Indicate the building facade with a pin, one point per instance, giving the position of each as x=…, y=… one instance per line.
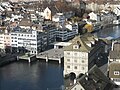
x=29, y=39
x=114, y=72
x=114, y=62
x=59, y=18
x=76, y=57
x=81, y=55
x=5, y=40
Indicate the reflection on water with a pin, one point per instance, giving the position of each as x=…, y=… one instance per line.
x=36, y=76
x=112, y=32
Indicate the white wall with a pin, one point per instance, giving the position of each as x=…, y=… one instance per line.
x=75, y=59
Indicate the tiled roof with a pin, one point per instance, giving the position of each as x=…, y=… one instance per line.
x=83, y=47
x=114, y=66
x=25, y=22
x=114, y=54
x=116, y=47
x=96, y=80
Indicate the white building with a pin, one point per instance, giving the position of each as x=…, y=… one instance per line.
x=5, y=38
x=33, y=17
x=81, y=55
x=47, y=14
x=93, y=16
x=114, y=62
x=72, y=27
x=76, y=57
x=26, y=38
x=59, y=18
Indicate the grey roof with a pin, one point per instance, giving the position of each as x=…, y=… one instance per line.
x=25, y=22
x=96, y=80
x=83, y=47
x=116, y=46
x=114, y=54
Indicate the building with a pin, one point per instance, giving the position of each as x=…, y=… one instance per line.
x=25, y=23
x=78, y=57
x=82, y=54
x=114, y=54
x=114, y=72
x=59, y=18
x=34, y=38
x=5, y=39
x=47, y=14
x=94, y=79
x=93, y=16
x=27, y=39
x=72, y=27
x=64, y=34
x=50, y=29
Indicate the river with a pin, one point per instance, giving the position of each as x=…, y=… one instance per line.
x=109, y=33
x=36, y=76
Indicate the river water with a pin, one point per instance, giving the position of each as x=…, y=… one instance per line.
x=40, y=75
x=36, y=76
x=109, y=33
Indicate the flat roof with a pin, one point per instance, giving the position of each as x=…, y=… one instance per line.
x=62, y=43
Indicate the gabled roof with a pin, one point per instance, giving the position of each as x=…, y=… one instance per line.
x=116, y=46
x=82, y=45
x=114, y=54
x=95, y=79
x=25, y=22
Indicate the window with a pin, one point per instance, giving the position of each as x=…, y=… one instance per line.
x=75, y=67
x=75, y=61
x=83, y=61
x=33, y=35
x=68, y=66
x=83, y=68
x=75, y=47
x=68, y=53
x=116, y=73
x=68, y=60
x=75, y=54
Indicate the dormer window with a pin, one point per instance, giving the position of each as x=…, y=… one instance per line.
x=116, y=73
x=76, y=47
